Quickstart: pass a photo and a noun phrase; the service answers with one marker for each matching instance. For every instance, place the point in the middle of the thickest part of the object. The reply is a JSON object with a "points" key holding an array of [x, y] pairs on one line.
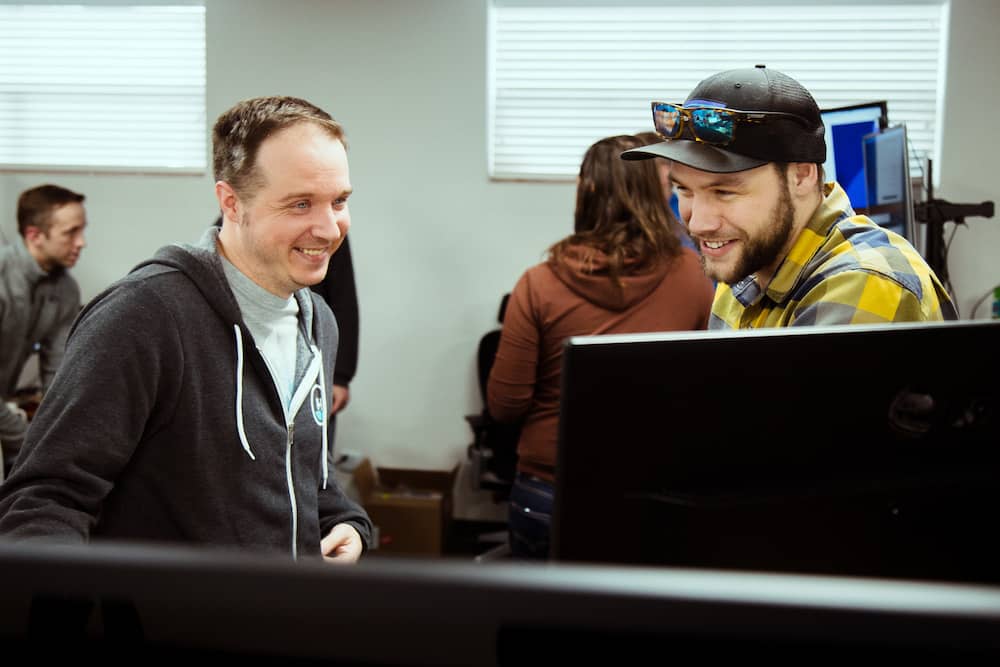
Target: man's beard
{"points": [[762, 251]]}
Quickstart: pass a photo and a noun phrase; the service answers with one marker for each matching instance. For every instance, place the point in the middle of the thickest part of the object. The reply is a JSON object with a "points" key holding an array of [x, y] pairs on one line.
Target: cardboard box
{"points": [[411, 509]]}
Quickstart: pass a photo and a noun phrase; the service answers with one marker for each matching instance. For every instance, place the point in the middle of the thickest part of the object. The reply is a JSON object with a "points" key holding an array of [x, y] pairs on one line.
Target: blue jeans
{"points": [[530, 516]]}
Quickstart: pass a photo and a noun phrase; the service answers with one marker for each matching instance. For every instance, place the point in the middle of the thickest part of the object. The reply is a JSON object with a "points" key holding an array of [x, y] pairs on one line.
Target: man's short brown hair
{"points": [[35, 206], [239, 132]]}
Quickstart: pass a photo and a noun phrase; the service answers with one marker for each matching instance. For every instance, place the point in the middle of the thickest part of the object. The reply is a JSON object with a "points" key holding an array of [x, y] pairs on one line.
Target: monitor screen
{"points": [[887, 179], [868, 450], [845, 130]]}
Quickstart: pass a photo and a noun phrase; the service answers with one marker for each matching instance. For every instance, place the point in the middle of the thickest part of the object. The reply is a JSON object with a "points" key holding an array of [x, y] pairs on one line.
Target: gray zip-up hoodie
{"points": [[164, 423]]}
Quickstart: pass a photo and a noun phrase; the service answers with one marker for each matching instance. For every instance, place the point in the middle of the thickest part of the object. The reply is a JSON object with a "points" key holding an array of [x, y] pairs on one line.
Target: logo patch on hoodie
{"points": [[318, 407]]}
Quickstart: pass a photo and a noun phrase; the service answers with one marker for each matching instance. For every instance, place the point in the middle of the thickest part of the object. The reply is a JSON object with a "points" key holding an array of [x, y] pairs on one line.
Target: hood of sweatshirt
{"points": [[584, 270]]}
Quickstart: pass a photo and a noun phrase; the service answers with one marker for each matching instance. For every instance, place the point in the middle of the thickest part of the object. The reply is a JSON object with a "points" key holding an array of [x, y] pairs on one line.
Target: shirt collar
{"points": [[32, 271], [835, 207]]}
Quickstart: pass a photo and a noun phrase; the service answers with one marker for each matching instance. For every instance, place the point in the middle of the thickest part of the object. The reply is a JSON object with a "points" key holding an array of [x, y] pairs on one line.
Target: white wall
{"points": [[435, 243], [968, 169]]}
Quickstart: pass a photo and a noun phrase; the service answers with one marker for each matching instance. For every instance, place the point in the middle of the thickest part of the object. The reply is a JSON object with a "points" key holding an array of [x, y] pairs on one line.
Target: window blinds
{"points": [[119, 88], [563, 76]]}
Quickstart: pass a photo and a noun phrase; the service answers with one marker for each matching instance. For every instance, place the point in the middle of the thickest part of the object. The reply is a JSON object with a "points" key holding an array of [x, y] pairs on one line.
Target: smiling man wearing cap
{"points": [[786, 248]]}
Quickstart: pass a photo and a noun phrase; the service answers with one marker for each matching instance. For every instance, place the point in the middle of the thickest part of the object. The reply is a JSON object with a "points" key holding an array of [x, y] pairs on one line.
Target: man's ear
{"points": [[803, 177], [229, 202], [32, 234]]}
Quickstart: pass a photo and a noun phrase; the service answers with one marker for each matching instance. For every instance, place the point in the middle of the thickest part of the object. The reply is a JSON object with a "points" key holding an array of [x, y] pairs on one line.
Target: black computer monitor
{"points": [[868, 450], [887, 179], [846, 128], [111, 604]]}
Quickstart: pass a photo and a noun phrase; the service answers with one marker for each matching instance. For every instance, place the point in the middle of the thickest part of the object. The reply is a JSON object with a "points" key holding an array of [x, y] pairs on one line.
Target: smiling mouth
{"points": [[312, 252], [715, 245]]}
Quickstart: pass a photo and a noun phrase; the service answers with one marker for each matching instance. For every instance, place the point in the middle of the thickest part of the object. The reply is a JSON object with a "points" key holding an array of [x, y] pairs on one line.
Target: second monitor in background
{"points": [[887, 181], [846, 128], [870, 160]]}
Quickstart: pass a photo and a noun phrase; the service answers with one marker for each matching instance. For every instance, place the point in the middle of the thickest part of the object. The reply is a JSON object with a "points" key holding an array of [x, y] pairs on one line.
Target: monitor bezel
{"points": [[881, 104]]}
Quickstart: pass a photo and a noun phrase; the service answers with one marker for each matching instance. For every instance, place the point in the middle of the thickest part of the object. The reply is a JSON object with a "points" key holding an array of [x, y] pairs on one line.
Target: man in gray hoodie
{"points": [[194, 402], [38, 296]]}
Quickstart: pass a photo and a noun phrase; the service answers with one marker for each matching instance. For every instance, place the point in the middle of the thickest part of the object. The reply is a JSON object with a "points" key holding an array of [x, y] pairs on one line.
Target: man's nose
{"points": [[333, 225], [701, 217]]}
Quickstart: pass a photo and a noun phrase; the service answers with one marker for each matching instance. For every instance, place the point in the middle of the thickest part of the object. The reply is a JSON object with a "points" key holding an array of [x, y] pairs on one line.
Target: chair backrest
{"points": [[498, 441], [487, 353], [488, 345]]}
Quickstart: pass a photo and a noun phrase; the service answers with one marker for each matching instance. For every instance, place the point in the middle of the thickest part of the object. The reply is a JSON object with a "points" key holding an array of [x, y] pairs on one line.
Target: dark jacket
{"points": [[164, 423], [339, 291]]}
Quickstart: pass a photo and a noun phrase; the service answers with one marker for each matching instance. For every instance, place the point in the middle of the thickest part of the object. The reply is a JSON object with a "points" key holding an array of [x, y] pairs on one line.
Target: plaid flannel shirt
{"points": [[842, 269]]}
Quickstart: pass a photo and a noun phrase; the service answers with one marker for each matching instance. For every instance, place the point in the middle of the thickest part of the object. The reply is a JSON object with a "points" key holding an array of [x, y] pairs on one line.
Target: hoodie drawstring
{"points": [[239, 394], [239, 404], [326, 414]]}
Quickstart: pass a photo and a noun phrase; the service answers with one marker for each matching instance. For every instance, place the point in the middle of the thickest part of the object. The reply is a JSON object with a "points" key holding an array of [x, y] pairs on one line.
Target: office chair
{"points": [[494, 447], [493, 451]]}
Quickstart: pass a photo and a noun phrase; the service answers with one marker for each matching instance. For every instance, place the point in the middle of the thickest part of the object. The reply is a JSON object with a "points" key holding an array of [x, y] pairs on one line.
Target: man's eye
{"points": [[302, 204]]}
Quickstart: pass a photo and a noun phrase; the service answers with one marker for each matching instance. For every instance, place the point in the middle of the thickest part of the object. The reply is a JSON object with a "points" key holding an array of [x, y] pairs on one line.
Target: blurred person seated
{"points": [[38, 300]]}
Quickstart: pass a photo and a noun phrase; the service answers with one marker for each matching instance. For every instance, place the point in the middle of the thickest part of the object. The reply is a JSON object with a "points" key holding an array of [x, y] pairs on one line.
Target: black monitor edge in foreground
{"points": [[853, 450], [167, 603]]}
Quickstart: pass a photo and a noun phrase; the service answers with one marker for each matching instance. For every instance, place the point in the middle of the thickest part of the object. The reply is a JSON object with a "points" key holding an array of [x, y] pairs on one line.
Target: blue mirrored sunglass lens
{"points": [[667, 120], [712, 125]]}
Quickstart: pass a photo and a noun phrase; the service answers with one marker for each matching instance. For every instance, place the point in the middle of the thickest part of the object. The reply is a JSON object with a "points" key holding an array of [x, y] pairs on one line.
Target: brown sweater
{"points": [[553, 302]]}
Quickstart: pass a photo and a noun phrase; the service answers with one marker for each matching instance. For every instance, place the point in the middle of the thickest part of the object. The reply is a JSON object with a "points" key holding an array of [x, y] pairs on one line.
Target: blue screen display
{"points": [[846, 128], [848, 140]]}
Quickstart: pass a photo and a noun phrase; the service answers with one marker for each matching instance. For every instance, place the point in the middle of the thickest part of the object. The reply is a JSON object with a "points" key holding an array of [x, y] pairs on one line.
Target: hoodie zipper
{"points": [[309, 379], [291, 486], [289, 439]]}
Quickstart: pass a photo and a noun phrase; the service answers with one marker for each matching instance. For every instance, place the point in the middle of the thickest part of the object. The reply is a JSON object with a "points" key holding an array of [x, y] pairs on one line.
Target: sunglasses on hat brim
{"points": [[711, 125]]}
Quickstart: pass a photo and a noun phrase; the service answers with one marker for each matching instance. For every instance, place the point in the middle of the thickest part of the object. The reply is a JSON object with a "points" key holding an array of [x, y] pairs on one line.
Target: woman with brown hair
{"points": [[623, 270]]}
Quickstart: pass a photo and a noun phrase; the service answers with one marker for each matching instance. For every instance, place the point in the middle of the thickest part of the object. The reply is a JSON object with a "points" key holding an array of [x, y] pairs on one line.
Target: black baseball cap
{"points": [[777, 139]]}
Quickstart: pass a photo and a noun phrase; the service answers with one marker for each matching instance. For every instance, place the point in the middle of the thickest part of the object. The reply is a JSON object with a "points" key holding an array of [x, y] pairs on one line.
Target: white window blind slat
{"points": [[564, 76], [115, 87]]}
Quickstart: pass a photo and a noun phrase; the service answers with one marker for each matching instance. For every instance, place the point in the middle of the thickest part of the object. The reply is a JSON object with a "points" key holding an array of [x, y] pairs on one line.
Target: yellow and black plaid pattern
{"points": [[842, 269]]}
